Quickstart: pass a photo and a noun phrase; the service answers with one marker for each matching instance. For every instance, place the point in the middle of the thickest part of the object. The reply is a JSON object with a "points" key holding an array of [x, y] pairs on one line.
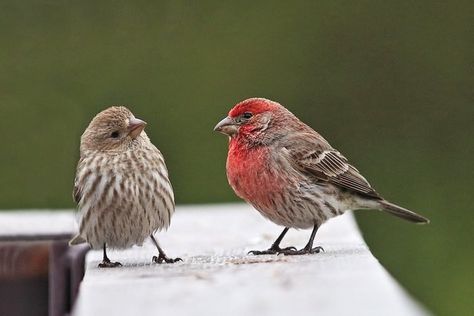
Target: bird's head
{"points": [[113, 129], [252, 119]]}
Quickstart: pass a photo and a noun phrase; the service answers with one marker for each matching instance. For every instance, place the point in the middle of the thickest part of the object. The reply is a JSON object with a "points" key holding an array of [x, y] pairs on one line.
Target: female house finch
{"points": [[121, 186], [291, 174]]}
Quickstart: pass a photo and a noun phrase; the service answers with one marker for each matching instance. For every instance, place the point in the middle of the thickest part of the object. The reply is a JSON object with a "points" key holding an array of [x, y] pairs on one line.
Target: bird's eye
{"points": [[247, 115], [115, 134]]}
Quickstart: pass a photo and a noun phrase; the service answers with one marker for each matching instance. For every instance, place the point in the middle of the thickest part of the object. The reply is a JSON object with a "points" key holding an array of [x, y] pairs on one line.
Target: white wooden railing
{"points": [[217, 277]]}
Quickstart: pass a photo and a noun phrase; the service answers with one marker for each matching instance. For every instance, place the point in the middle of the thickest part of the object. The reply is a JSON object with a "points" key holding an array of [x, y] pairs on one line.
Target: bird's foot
{"points": [[271, 251], [304, 251], [163, 258], [109, 264]]}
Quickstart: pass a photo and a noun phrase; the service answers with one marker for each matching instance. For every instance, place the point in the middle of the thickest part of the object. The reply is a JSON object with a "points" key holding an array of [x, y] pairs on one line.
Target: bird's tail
{"points": [[402, 212], [78, 239]]}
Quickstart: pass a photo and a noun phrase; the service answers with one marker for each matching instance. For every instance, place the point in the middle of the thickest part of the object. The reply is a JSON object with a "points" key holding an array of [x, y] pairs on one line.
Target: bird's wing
{"points": [[316, 157], [77, 190]]}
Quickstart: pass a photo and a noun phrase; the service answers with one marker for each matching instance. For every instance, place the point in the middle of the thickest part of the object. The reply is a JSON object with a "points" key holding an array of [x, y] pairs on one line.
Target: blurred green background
{"points": [[388, 83]]}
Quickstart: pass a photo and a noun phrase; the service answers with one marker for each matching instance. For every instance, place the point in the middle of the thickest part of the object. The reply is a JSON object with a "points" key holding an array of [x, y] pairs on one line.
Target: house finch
{"points": [[121, 186], [291, 174]]}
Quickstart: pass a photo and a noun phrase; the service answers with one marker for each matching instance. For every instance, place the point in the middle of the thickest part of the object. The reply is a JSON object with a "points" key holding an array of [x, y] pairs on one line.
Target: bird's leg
{"points": [[161, 254], [275, 248], [308, 249], [106, 263]]}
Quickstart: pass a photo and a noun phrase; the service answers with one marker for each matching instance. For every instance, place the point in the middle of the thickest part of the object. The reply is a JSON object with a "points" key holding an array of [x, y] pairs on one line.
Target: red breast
{"points": [[250, 173]]}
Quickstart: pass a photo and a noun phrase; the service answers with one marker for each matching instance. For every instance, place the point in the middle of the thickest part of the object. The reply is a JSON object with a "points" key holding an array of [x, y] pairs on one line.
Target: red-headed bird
{"points": [[291, 174], [121, 186]]}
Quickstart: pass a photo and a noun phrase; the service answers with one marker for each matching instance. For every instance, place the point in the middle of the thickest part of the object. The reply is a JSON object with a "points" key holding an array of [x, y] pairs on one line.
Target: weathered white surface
{"points": [[217, 277], [36, 223]]}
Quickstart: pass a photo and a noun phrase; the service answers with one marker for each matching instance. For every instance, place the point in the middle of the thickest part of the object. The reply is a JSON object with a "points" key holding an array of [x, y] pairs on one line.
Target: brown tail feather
{"points": [[402, 212], [78, 239]]}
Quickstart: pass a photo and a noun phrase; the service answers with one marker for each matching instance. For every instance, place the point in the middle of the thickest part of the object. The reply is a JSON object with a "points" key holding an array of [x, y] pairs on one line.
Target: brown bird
{"points": [[291, 174], [121, 186]]}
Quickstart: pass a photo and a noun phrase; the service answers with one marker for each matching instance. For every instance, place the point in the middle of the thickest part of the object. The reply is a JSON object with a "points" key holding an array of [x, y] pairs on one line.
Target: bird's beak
{"points": [[135, 127], [227, 126]]}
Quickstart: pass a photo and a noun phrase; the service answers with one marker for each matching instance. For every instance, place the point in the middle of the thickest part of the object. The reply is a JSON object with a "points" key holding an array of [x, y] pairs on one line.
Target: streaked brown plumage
{"points": [[121, 185], [291, 174]]}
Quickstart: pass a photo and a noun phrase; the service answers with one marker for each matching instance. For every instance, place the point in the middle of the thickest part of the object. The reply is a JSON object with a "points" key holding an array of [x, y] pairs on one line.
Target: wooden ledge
{"points": [[217, 276]]}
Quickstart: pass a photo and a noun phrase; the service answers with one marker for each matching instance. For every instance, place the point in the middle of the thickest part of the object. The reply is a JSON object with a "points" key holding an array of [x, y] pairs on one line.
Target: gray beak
{"points": [[135, 127], [227, 126]]}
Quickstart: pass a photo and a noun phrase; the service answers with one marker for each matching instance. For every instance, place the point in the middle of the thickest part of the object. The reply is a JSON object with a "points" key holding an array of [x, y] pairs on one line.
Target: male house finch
{"points": [[291, 174], [121, 186]]}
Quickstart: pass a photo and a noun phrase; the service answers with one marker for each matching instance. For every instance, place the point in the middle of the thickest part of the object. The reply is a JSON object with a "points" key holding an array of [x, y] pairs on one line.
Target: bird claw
{"points": [[304, 251], [109, 264], [271, 251], [317, 249], [262, 252], [163, 258]]}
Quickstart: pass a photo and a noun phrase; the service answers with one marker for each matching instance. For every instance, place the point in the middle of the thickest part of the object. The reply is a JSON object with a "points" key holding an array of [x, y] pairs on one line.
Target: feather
{"points": [[315, 156]]}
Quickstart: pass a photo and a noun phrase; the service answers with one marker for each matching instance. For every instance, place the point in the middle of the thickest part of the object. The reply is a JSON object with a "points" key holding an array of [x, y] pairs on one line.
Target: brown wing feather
{"points": [[77, 190], [335, 169], [311, 153], [76, 193]]}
